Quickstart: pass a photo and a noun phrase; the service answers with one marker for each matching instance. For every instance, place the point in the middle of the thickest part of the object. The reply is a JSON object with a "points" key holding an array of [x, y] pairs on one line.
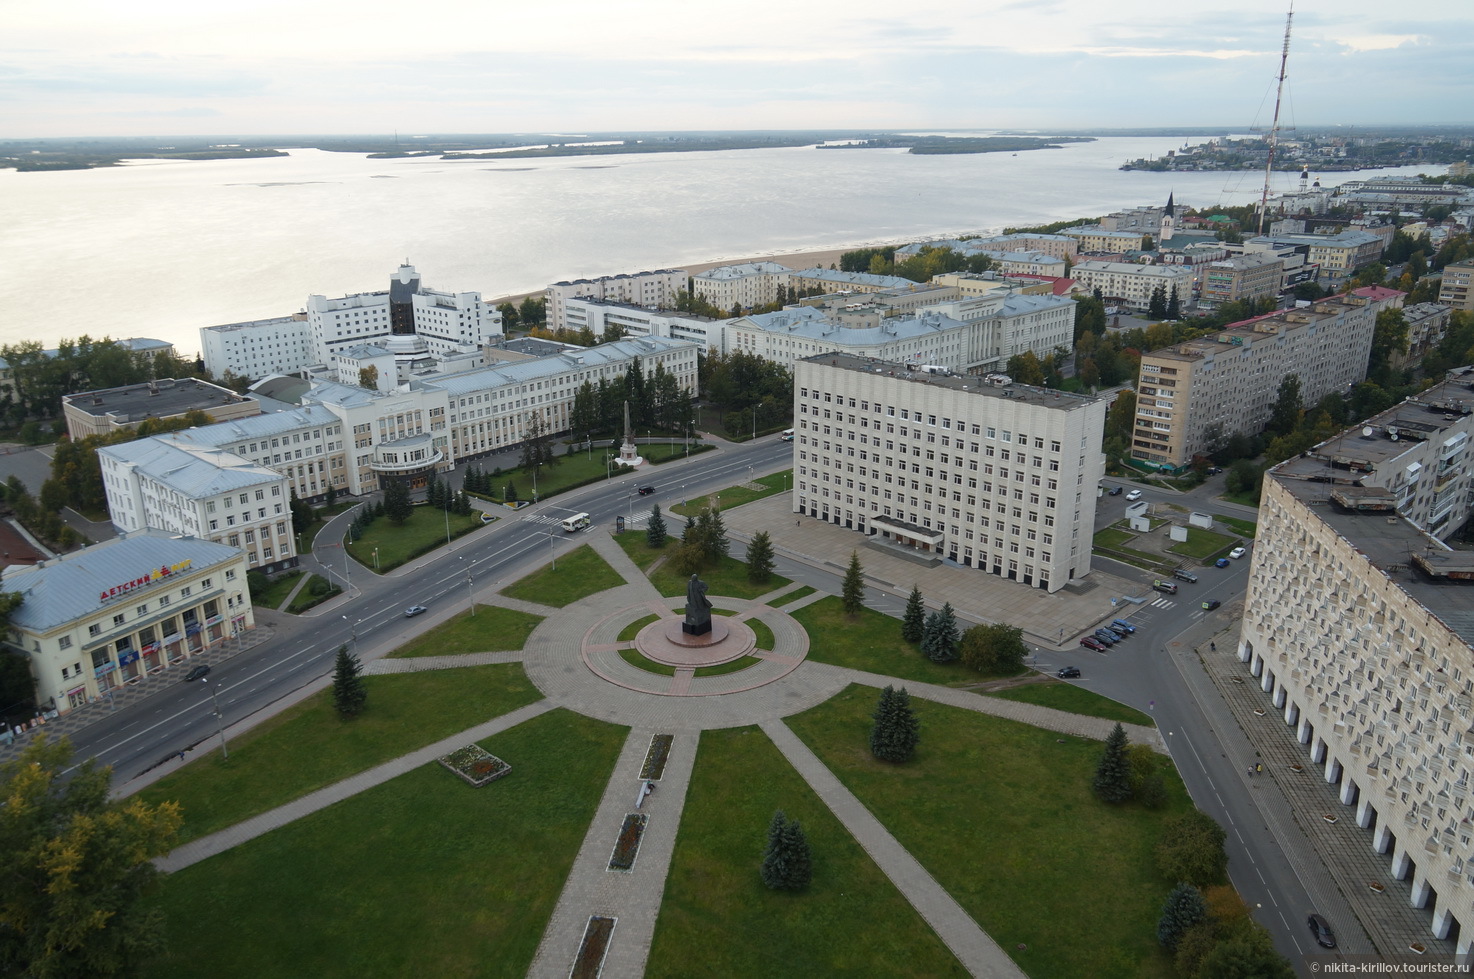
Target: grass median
{"points": [[491, 629], [577, 574]]}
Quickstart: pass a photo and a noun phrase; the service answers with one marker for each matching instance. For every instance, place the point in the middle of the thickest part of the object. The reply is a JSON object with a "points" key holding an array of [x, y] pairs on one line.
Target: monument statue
{"points": [[698, 609]]}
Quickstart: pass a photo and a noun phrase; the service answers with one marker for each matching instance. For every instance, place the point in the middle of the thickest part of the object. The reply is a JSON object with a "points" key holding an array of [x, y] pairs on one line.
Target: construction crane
{"points": [[1274, 128]]}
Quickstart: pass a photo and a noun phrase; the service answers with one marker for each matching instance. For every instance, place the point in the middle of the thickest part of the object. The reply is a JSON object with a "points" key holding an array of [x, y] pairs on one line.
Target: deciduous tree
{"points": [[1191, 849]]}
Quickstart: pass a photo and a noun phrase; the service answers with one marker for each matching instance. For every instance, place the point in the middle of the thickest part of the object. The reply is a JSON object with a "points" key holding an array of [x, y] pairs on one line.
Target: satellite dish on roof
{"points": [[1367, 430]]}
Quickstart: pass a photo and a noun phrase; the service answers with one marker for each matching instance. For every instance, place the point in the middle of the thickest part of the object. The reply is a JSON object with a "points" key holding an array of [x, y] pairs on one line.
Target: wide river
{"points": [[162, 248]]}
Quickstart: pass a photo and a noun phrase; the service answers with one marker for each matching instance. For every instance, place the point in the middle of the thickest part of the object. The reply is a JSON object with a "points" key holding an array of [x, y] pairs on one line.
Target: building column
{"points": [[1401, 862], [1302, 732], [1365, 811], [1419, 898], [1442, 920], [1280, 695], [1349, 792], [1246, 651], [1292, 713], [1333, 770], [1381, 836], [1256, 665], [1462, 951], [1318, 751], [1266, 680]]}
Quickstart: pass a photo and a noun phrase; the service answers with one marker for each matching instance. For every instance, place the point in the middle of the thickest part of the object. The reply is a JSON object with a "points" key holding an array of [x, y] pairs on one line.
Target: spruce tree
{"points": [[1184, 908], [787, 862], [913, 625], [760, 558], [896, 730], [397, 506], [349, 694], [655, 530], [940, 636], [852, 591], [1113, 775]]}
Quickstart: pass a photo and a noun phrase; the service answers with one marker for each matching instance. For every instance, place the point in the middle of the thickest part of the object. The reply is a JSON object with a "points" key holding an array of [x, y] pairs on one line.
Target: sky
{"points": [[258, 67]]}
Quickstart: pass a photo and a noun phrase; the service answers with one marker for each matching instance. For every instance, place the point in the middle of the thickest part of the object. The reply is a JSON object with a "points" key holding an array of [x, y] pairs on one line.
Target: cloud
{"points": [[1378, 42]]}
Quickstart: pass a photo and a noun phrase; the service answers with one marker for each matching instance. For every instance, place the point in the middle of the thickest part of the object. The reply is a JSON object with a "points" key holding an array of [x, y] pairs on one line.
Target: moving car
{"points": [[197, 672], [1237, 552], [1133, 495], [1090, 642], [1182, 574], [1221, 563], [414, 610], [1211, 604], [1121, 625], [646, 490], [1115, 491], [1067, 672], [1321, 929]]}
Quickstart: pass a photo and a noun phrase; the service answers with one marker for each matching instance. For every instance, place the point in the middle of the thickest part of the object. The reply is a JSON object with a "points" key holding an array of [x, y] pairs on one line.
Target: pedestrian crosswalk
{"points": [[1163, 603]]}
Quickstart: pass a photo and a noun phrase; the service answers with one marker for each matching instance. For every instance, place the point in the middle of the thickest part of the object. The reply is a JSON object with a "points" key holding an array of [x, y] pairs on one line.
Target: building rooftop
{"points": [[256, 324], [153, 399], [743, 270], [193, 470], [258, 426], [1259, 327], [812, 323], [998, 386], [72, 586], [856, 278]]}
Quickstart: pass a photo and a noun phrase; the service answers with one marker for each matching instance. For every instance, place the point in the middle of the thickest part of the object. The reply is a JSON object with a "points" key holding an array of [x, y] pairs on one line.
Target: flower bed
{"points": [[656, 756], [475, 764], [628, 844], [590, 961]]}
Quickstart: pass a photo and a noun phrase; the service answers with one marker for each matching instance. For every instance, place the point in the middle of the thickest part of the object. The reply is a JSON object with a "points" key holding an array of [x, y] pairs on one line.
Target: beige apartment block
{"points": [[747, 285], [1242, 277], [1191, 394], [1357, 627], [1131, 284], [1095, 238], [993, 475], [658, 289], [1457, 288]]}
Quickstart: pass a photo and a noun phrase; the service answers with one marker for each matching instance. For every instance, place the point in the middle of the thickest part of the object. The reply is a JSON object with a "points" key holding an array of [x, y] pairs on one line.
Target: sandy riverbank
{"points": [[794, 260]]}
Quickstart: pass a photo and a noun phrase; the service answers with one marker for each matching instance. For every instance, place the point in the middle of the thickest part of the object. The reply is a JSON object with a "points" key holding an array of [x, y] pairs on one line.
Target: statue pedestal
{"points": [[630, 456], [666, 641]]}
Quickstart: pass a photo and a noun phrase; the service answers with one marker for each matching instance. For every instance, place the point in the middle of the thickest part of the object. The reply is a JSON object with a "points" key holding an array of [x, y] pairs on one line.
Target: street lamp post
{"points": [[219, 718], [353, 631], [470, 595], [553, 550], [447, 536]]}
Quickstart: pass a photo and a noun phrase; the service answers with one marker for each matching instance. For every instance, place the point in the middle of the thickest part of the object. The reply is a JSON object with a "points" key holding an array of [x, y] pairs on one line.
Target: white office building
{"points": [[1130, 284], [992, 475], [601, 316], [282, 345], [656, 289]]}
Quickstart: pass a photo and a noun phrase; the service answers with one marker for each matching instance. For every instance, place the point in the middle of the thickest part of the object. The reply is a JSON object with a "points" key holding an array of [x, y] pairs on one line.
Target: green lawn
{"points": [[306, 599], [629, 632], [633, 542], [580, 468], [1002, 816], [735, 496], [729, 577], [1200, 543], [871, 642], [421, 533], [421, 876], [796, 594], [1076, 700], [1243, 499], [719, 920], [575, 575], [491, 629], [1111, 537], [276, 592], [639, 661], [307, 747], [740, 663], [762, 635], [1244, 528]]}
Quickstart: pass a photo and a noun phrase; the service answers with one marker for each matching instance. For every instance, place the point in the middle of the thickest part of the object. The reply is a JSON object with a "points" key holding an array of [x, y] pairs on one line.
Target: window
{"points": [[65, 642], [118, 619], [94, 630], [142, 610], [229, 575]]}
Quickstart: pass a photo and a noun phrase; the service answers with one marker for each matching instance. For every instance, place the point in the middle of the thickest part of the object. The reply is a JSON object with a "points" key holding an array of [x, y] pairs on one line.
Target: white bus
{"points": [[788, 435], [575, 523]]}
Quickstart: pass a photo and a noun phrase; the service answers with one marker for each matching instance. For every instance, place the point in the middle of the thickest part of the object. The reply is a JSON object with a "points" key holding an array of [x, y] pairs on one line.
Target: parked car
{"points": [[1214, 470], [1182, 574], [1121, 625], [646, 490], [1116, 491], [1090, 642], [1118, 633], [414, 610], [1238, 552], [1133, 496], [1107, 637], [1211, 604], [1321, 929], [1221, 563], [1170, 587], [197, 672], [1067, 672]]}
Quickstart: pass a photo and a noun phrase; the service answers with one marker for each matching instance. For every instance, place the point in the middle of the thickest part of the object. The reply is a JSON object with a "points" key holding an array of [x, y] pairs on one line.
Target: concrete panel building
{"points": [[1130, 284], [600, 315], [1190, 394], [1094, 238], [1358, 627], [1456, 290], [1242, 277], [747, 285], [107, 410], [657, 289], [993, 475], [257, 348], [96, 619]]}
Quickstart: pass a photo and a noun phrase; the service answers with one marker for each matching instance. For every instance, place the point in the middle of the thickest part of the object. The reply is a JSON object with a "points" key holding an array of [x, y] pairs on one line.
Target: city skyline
{"points": [[254, 67]]}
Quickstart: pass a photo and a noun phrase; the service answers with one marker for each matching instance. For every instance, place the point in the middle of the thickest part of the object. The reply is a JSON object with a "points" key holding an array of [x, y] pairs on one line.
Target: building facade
{"points": [[176, 487], [258, 348], [1094, 238], [658, 289], [1357, 628], [831, 281], [105, 616], [600, 316], [1129, 284], [993, 475], [747, 285], [1192, 394], [1242, 277], [1456, 290]]}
